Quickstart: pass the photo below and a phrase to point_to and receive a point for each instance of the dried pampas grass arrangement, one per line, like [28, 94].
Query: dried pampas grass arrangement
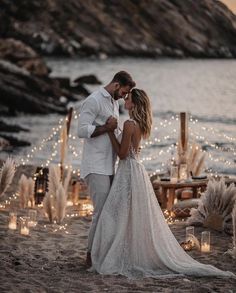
[63, 146]
[31, 191]
[23, 191]
[48, 206]
[232, 251]
[234, 225]
[55, 200]
[61, 202]
[53, 179]
[215, 207]
[198, 167]
[67, 180]
[6, 175]
[26, 191]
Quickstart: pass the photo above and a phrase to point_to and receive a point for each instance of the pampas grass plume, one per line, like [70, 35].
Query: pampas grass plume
[23, 190]
[61, 202]
[6, 175]
[47, 206]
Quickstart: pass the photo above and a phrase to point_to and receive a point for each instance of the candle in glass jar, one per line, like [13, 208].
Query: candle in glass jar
[24, 231]
[183, 169]
[205, 241]
[174, 174]
[205, 247]
[189, 231]
[32, 218]
[12, 221]
[24, 228]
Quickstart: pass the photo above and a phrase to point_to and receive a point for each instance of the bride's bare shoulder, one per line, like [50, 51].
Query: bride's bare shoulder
[129, 125]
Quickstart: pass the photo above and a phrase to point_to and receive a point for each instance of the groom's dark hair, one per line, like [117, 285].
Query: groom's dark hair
[124, 79]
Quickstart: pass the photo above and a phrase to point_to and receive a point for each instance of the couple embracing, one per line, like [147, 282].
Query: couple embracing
[128, 235]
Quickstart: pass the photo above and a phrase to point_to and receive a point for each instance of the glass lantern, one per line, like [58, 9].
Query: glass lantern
[183, 172]
[12, 221]
[189, 232]
[32, 215]
[24, 226]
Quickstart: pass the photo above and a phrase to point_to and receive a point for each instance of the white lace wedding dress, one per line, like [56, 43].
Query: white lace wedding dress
[132, 237]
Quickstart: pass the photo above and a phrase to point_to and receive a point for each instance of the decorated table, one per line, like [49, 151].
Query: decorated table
[168, 189]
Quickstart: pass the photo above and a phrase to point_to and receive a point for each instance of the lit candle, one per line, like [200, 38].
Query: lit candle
[187, 245]
[183, 169]
[205, 241]
[69, 203]
[12, 221]
[83, 213]
[24, 231]
[205, 247]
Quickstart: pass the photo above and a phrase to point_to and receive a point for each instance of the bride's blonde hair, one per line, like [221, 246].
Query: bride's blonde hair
[141, 112]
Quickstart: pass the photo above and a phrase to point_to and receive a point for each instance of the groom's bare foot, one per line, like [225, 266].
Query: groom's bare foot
[88, 260]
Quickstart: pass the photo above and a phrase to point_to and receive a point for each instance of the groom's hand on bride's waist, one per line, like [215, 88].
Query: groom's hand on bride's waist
[111, 123]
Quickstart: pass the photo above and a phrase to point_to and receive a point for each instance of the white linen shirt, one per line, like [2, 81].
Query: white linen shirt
[98, 154]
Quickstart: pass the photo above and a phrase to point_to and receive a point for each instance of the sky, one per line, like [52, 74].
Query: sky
[231, 4]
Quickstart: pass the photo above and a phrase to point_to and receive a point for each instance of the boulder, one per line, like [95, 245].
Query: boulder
[4, 127]
[13, 142]
[24, 56]
[23, 92]
[87, 79]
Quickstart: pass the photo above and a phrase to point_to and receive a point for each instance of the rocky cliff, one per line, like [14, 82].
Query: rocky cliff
[203, 28]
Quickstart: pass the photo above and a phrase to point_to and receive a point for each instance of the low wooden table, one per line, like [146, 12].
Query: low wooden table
[166, 186]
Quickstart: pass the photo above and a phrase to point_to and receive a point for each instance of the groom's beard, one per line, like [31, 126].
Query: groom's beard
[116, 95]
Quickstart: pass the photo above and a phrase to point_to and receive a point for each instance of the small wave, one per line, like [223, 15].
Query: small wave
[210, 119]
[215, 119]
[164, 114]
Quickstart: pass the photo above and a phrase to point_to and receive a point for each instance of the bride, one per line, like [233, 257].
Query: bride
[132, 237]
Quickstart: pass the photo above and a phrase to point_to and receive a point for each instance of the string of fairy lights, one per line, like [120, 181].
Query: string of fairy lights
[171, 149]
[167, 143]
[160, 141]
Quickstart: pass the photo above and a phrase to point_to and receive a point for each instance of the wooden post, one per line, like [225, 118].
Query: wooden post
[69, 117]
[183, 147]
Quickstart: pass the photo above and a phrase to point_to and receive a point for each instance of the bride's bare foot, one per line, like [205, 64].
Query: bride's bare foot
[88, 260]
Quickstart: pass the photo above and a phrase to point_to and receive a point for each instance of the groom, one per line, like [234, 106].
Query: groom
[98, 159]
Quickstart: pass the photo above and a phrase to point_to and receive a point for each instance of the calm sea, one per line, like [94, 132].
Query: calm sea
[206, 89]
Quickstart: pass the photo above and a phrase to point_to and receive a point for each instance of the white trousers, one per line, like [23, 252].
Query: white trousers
[99, 187]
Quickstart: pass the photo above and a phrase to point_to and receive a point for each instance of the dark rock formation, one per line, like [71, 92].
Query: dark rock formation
[4, 127]
[14, 142]
[7, 143]
[24, 56]
[25, 92]
[87, 79]
[203, 28]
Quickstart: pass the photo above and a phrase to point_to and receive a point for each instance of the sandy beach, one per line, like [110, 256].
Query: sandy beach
[52, 258]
